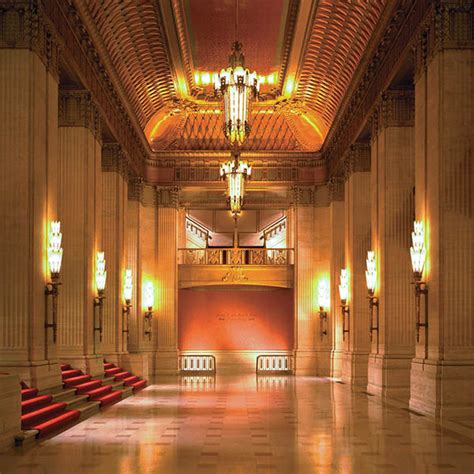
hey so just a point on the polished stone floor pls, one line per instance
(244, 424)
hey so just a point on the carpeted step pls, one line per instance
(67, 374)
(130, 380)
(56, 423)
(73, 381)
(87, 386)
(65, 367)
(108, 365)
(110, 398)
(99, 392)
(113, 371)
(35, 403)
(122, 375)
(28, 393)
(139, 385)
(39, 416)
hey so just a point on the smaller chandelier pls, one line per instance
(238, 86)
(236, 173)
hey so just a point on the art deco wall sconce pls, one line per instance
(323, 301)
(55, 255)
(127, 296)
(148, 300)
(418, 257)
(344, 295)
(371, 280)
(100, 280)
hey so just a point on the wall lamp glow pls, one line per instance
(344, 295)
(100, 280)
(148, 300)
(55, 256)
(371, 280)
(418, 257)
(127, 296)
(323, 301)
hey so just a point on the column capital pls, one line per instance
(24, 25)
(357, 159)
(302, 196)
(396, 108)
(77, 109)
(336, 189)
(167, 196)
(114, 159)
(135, 188)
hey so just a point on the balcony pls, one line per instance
(235, 266)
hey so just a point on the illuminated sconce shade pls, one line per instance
(417, 250)
(323, 295)
(55, 252)
(236, 173)
(100, 272)
(148, 295)
(238, 86)
(128, 285)
(371, 272)
(344, 285)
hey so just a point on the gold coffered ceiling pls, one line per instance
(162, 51)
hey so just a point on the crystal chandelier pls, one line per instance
(236, 173)
(238, 86)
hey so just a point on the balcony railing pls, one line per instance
(236, 256)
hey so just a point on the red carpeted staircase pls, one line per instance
(50, 413)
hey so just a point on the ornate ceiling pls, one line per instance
(163, 53)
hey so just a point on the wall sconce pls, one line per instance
(127, 296)
(148, 300)
(344, 294)
(371, 279)
(418, 257)
(323, 301)
(55, 256)
(100, 279)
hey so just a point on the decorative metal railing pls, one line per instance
(193, 363)
(236, 256)
(275, 363)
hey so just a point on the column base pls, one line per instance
(10, 411)
(305, 362)
(336, 363)
(389, 376)
(354, 370)
(442, 389)
(165, 362)
(137, 363)
(114, 357)
(92, 364)
(39, 374)
(323, 363)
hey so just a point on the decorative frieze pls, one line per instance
(357, 159)
(23, 25)
(76, 109)
(114, 159)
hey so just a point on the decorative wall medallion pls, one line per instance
(235, 274)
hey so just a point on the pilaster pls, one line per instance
(80, 209)
(28, 170)
(357, 242)
(392, 210)
(444, 91)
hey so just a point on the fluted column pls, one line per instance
(114, 209)
(392, 184)
(443, 369)
(337, 261)
(357, 242)
(167, 281)
(28, 180)
(304, 225)
(80, 211)
(321, 275)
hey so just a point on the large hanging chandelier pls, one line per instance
(236, 173)
(239, 87)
